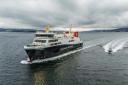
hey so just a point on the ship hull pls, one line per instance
(50, 52)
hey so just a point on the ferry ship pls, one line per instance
(47, 45)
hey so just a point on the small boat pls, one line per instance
(110, 51)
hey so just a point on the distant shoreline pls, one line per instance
(34, 30)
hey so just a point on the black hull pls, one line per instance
(37, 54)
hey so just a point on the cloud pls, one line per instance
(80, 13)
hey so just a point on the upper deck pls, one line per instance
(46, 39)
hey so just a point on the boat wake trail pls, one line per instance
(115, 45)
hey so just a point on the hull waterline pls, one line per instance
(51, 52)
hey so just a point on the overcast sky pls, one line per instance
(79, 13)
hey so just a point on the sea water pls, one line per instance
(90, 66)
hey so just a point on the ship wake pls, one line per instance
(115, 45)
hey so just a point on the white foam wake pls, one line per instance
(115, 45)
(25, 62)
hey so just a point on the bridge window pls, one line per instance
(47, 35)
(41, 41)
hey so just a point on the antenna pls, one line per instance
(70, 30)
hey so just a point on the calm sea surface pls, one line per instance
(91, 66)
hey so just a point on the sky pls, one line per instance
(96, 14)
